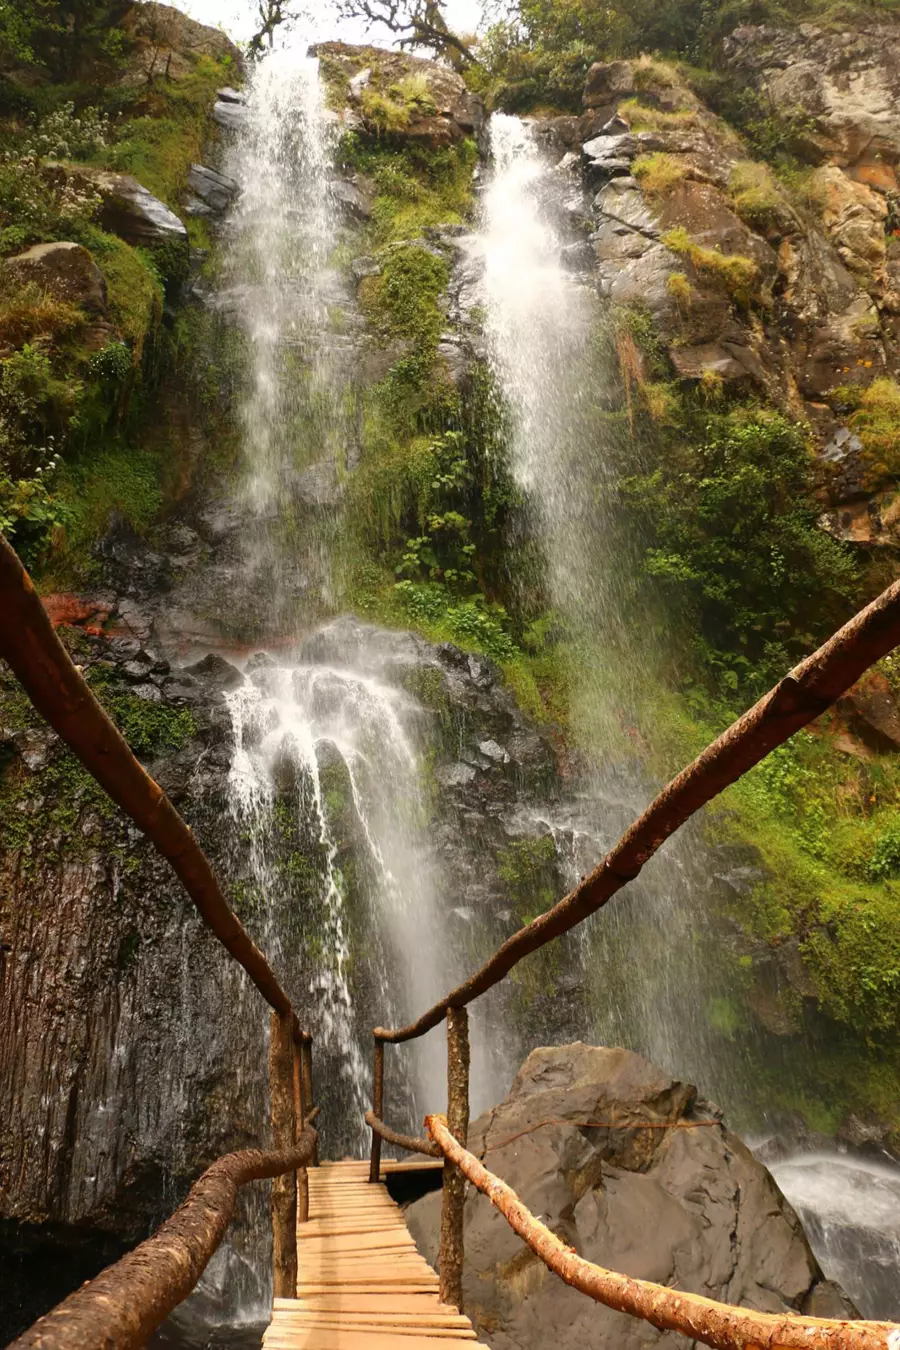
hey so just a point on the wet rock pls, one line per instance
(685, 1207)
(215, 672)
(354, 200)
(365, 267)
(871, 710)
(215, 190)
(65, 270)
(229, 95)
(231, 116)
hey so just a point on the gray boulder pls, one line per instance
(214, 191)
(690, 1208)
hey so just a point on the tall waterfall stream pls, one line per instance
(329, 748)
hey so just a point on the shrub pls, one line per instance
(885, 859)
(63, 134)
(876, 422)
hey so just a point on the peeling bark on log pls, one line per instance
(377, 1111)
(802, 696)
(412, 1143)
(452, 1254)
(306, 1080)
(299, 1118)
(44, 668)
(283, 1200)
(697, 1318)
(121, 1308)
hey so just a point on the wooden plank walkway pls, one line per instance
(361, 1283)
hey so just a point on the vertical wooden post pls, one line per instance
(377, 1109)
(300, 1117)
(306, 1079)
(284, 1134)
(454, 1192)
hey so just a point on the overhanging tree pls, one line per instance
(413, 23)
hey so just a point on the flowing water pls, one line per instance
(851, 1212)
(640, 958)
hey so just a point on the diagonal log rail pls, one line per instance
(802, 696)
(48, 675)
(698, 1318)
(124, 1305)
(412, 1143)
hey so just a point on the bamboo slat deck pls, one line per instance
(361, 1283)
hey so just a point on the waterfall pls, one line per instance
(288, 301)
(326, 784)
(639, 957)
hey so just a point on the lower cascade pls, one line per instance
(469, 432)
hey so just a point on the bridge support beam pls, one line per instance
(454, 1192)
(284, 1134)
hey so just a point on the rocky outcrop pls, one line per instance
(167, 44)
(686, 1206)
(124, 206)
(386, 92)
(837, 88)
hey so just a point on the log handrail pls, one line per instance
(412, 1143)
(699, 1319)
(29, 643)
(798, 699)
(123, 1306)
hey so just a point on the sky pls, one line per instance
(237, 18)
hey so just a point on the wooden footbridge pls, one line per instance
(347, 1275)
(361, 1283)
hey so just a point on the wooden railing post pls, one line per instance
(454, 1192)
(300, 1112)
(284, 1136)
(306, 1080)
(377, 1109)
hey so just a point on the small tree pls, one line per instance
(273, 14)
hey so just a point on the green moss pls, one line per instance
(731, 271)
(758, 199)
(133, 284)
(115, 478)
(416, 188)
(658, 173)
(159, 146)
(640, 117)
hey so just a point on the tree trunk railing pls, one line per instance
(123, 1306)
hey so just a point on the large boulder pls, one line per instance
(125, 206)
(167, 44)
(686, 1206)
(64, 270)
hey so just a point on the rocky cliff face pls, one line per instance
(684, 1204)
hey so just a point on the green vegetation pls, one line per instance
(731, 513)
(875, 418)
(731, 271)
(758, 199)
(659, 173)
